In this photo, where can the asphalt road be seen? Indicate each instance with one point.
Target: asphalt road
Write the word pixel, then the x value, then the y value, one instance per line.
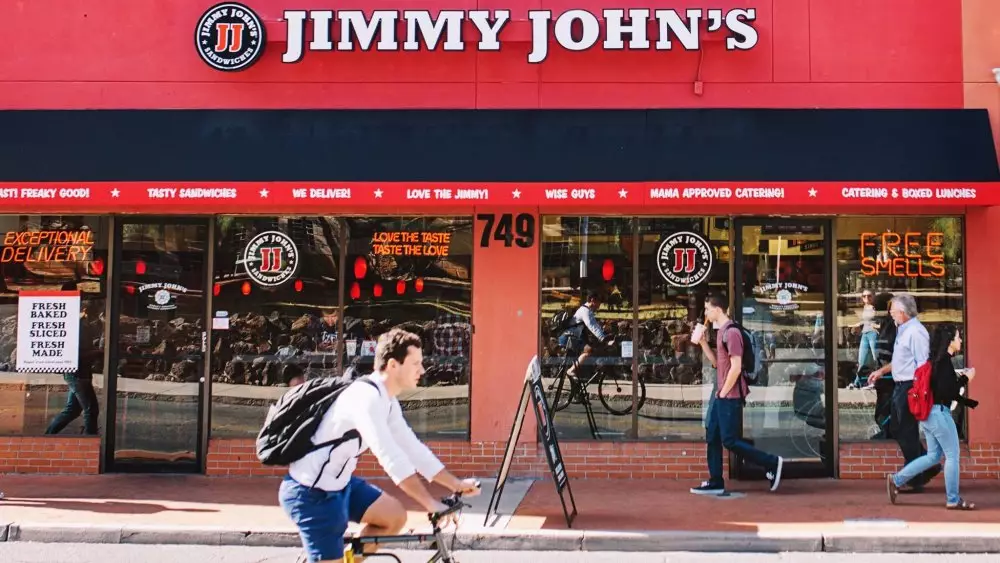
pixel 18 552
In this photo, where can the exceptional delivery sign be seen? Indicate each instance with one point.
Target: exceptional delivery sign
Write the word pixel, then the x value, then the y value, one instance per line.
pixel 48 331
pixel 231 36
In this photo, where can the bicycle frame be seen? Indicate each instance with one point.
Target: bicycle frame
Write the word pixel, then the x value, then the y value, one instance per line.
pixel 443 554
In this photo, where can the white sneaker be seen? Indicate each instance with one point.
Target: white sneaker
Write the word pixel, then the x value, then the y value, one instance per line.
pixel 775 476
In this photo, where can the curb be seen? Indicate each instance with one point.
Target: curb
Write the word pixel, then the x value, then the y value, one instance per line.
pixel 536 540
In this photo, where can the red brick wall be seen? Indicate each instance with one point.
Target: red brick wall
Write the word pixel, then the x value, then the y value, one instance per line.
pixel 584 460
pixel 872 460
pixel 50 454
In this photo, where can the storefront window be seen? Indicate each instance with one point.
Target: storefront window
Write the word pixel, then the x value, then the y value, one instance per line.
pixel 50 253
pixel 414 273
pixel 680 261
pixel 876 257
pixel 587 265
pixel 275 319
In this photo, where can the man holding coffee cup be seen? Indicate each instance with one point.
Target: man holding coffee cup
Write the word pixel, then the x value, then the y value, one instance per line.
pixel 723 428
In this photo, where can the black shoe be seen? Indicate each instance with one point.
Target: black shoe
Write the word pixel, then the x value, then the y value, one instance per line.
pixel 707 488
pixel 774 476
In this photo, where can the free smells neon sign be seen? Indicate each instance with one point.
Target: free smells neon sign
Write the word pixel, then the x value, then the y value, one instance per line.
pixel 910 255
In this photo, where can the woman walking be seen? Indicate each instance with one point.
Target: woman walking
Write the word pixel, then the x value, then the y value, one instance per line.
pixel 939 428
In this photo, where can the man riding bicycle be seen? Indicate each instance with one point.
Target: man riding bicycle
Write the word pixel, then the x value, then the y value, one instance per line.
pixel 321 494
pixel 574 340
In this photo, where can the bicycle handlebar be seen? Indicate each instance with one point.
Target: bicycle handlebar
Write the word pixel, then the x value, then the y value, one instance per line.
pixel 454 504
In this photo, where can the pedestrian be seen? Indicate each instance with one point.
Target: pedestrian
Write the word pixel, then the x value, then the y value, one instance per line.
pixel 81 398
pixel 910 351
pixel 726 413
pixel 939 428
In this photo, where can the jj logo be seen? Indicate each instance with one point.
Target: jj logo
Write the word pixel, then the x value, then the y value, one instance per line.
pixel 684 259
pixel 270 259
pixel 229 37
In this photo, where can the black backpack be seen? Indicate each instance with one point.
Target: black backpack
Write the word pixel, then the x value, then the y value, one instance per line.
pixel 291 422
pixel 749 354
pixel 561 322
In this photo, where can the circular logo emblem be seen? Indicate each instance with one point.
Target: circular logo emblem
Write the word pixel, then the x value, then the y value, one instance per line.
pixel 784 297
pixel 161 297
pixel 271 258
pixel 684 259
pixel 229 37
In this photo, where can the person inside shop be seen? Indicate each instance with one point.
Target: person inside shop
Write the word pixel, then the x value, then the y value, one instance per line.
pixel 81 397
pixel 869 330
pixel 726 412
pixel 939 429
pixel 910 350
pixel 884 343
pixel 576 339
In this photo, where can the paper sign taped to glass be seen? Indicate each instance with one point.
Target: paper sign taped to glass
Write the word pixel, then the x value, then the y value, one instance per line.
pixel 48 331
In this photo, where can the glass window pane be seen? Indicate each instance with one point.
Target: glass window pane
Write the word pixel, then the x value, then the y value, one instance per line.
pixel 680 261
pixel 584 376
pixel 30 403
pixel 876 257
pixel 414 273
pixel 267 328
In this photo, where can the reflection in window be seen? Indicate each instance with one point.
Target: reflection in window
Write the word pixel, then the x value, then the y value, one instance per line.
pixel 259 327
pixel 30 402
pixel 414 273
pixel 876 257
pixel 675 275
pixel 587 345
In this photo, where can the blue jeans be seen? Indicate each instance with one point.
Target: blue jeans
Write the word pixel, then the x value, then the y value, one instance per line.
pixel 866 349
pixel 942 438
pixel 80 399
pixel 724 432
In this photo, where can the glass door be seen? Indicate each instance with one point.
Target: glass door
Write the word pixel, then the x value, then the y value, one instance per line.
pixel 159 327
pixel 783 298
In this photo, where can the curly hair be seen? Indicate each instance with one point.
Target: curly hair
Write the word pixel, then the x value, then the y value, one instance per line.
pixel 394 345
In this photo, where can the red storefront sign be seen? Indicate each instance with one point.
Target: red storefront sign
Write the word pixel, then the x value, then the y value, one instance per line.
pixel 331 197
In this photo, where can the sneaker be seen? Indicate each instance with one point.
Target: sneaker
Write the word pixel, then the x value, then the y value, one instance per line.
pixel 707 488
pixel 774 476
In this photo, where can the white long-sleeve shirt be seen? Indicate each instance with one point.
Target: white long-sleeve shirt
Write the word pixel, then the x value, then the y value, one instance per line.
pixel 378 418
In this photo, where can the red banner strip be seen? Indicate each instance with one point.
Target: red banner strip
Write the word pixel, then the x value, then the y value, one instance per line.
pixel 334 197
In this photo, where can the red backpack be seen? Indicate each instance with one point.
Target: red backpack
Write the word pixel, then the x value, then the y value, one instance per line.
pixel 919 397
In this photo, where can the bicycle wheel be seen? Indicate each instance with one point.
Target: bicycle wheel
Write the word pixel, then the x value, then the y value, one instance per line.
pixel 615 391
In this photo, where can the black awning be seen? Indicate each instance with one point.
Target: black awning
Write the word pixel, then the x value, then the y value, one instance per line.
pixel 952 145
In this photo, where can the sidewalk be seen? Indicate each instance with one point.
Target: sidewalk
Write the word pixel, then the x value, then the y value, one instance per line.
pixel 618 515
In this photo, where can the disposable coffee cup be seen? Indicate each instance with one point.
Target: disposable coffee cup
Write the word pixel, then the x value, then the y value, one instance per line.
pixel 699 331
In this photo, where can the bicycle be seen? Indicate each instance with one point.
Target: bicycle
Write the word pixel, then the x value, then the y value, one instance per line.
pixel 443 553
pixel 610 384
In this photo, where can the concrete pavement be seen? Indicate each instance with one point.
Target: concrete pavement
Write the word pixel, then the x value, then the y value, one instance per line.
pixel 614 515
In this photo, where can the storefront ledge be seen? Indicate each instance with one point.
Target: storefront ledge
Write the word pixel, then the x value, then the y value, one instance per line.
pixel 64 533
pixel 912 542
pixel 706 542
pixel 541 540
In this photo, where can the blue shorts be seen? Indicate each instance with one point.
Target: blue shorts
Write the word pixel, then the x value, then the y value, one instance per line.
pixel 322 516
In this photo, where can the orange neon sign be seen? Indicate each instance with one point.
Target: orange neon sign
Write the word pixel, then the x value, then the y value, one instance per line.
pixel 911 255
pixel 403 243
pixel 46 246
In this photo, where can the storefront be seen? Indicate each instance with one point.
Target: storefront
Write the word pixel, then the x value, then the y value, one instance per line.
pixel 227 230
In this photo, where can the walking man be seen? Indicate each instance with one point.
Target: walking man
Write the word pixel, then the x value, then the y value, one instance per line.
pixel 727 411
pixel 910 351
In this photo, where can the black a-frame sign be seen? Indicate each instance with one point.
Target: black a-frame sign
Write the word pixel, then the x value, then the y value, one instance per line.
pixel 535 390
